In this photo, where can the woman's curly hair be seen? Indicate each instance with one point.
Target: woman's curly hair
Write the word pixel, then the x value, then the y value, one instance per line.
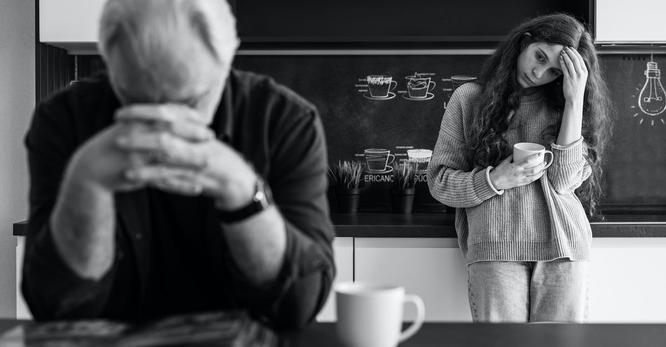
pixel 500 98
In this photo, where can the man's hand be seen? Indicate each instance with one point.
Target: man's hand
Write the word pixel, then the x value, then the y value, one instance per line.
pixel 185 157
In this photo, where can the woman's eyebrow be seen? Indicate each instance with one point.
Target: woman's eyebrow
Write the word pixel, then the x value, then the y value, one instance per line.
pixel 544 54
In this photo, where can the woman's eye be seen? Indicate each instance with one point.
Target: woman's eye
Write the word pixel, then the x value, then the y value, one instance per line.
pixel 540 58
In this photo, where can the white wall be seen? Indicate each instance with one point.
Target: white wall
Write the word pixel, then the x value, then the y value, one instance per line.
pixel 17 99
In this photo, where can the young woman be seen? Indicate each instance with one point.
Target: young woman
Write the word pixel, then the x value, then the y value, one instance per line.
pixel 523 227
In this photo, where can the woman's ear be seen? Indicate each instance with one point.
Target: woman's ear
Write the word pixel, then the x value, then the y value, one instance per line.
pixel 525 41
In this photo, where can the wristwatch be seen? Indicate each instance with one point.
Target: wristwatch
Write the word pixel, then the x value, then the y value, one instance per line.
pixel 261 200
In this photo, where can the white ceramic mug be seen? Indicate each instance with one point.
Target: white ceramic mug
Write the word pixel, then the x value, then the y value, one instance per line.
pixel 523 150
pixel 421 156
pixel 371 314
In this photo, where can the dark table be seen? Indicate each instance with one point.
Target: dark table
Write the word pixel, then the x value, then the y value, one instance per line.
pixel 510 335
pixel 442 225
pixel 489 335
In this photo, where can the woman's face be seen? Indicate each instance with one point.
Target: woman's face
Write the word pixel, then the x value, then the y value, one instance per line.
pixel 538 64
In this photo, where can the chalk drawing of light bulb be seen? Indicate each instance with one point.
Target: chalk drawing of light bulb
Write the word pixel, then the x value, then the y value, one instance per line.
pixel 652 98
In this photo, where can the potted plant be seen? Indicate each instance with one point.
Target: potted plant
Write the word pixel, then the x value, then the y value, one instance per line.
pixel 346 178
pixel 404 186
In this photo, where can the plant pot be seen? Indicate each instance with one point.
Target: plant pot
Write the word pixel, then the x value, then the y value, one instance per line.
pixel 402 201
pixel 348 201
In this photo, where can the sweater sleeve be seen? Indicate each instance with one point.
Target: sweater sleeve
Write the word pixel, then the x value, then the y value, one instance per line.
pixel 451 179
pixel 570 168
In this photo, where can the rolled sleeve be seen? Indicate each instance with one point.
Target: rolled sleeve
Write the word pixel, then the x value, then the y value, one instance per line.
pixel 451 179
pixel 299 184
pixel 52 290
pixel 570 168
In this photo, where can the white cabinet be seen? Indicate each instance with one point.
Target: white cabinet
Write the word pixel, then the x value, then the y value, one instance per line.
pixel 70 24
pixel 22 311
pixel 432 268
pixel 343 248
pixel 636 21
pixel 627 282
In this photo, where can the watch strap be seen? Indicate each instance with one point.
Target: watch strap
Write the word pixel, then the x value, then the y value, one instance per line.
pixel 261 200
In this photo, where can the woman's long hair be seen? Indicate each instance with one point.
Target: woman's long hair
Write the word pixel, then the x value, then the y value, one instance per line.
pixel 500 98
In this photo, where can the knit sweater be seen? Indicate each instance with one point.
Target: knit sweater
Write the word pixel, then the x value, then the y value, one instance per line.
pixel 540 221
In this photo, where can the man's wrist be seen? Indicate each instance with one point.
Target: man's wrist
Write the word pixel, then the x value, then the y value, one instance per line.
pixel 238 193
pixel 260 200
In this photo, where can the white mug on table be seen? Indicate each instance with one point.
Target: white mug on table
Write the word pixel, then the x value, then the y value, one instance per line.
pixel 371 314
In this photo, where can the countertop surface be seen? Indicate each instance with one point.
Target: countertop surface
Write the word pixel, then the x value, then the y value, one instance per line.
pixel 24 333
pixel 442 225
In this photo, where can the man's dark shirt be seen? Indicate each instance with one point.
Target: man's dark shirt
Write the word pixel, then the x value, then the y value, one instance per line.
pixel 171 255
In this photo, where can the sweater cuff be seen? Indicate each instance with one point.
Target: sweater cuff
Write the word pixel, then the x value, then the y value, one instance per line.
pixel 568 154
pixel 490 183
pixel 482 188
pixel 561 147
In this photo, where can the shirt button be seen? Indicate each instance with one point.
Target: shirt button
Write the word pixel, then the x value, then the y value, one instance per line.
pixel 138 236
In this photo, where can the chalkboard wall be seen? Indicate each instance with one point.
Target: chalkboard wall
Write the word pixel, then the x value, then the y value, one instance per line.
pixel 635 167
pixel 635 170
pixel 353 119
pixel 636 162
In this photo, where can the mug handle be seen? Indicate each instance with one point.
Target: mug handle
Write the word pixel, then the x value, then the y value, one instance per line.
pixel 391 158
pixel 431 85
pixel 393 85
pixel 420 316
pixel 550 162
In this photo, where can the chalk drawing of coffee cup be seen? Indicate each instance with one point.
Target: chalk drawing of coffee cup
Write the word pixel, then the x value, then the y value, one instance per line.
pixel 419 87
pixel 379 86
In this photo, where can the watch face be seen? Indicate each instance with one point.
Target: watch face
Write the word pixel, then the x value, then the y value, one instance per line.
pixel 263 194
pixel 261 200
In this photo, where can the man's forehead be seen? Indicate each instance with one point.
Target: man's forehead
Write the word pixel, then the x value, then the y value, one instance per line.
pixel 169 82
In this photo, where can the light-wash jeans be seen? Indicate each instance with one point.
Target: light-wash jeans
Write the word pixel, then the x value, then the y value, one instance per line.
pixel 549 291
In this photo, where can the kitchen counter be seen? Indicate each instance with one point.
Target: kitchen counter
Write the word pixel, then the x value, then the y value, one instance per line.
pixel 442 225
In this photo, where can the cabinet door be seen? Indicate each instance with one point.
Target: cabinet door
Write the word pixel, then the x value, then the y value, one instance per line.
pixel 627 281
pixel 636 21
pixel 343 248
pixel 432 268
pixel 73 21
pixel 22 311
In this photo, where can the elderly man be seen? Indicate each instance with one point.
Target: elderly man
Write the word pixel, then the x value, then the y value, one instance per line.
pixel 151 188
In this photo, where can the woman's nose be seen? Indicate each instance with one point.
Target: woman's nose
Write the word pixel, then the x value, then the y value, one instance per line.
pixel 538 73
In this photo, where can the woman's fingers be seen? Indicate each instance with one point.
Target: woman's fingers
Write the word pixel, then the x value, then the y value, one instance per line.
pixel 567 64
pixel 576 59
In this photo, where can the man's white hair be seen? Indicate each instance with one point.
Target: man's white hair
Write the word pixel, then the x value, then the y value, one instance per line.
pixel 156 36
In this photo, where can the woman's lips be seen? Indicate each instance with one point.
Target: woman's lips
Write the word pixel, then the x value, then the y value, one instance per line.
pixel 529 81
